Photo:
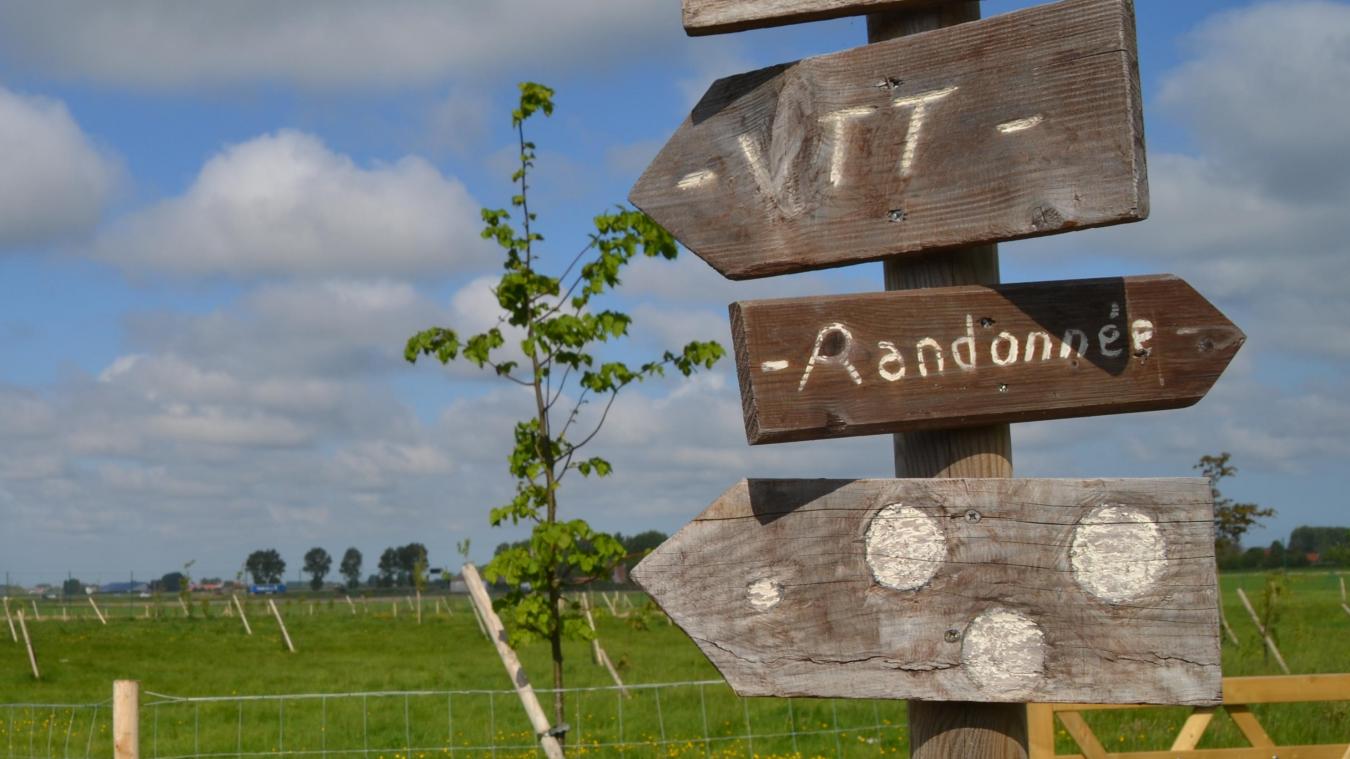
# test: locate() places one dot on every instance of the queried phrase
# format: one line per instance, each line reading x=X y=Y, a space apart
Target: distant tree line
x=1307 y=546
x=399 y=566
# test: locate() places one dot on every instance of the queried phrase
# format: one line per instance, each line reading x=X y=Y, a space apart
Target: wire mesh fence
x=691 y=719
x=55 y=731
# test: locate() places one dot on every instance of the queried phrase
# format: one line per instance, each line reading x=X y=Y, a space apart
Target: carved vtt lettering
x=920 y=105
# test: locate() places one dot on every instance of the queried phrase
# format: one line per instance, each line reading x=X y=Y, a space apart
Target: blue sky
x=219 y=223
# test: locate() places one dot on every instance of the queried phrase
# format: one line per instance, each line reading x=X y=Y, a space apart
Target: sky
x=220 y=223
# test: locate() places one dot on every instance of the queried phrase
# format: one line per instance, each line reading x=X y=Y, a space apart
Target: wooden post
x=37 y=615
x=538 y=720
x=10 y=620
x=183 y=604
x=352 y=604
x=1342 y=579
x=937 y=729
x=1257 y=621
x=126 y=719
x=419 y=607
x=97 y=611
x=599 y=652
x=1226 y=627
x=477 y=617
x=242 y=616
x=28 y=643
x=282 y=623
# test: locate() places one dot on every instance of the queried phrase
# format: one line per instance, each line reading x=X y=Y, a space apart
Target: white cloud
x=1266 y=89
x=55 y=181
x=1255 y=220
x=324 y=43
x=284 y=204
x=459 y=120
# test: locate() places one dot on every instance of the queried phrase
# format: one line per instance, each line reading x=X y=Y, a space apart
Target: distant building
x=119 y=587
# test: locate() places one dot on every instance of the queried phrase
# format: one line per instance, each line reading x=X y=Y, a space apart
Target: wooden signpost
x=719 y=16
x=1021 y=125
x=939 y=358
x=969 y=589
x=968 y=596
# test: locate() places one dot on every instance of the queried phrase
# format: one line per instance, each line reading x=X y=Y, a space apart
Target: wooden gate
x=1239 y=693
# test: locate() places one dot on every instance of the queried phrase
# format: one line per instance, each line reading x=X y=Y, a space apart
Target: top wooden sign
x=719 y=16
x=1019 y=125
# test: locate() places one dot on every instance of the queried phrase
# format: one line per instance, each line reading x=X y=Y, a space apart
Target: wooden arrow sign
x=719 y=16
x=1096 y=591
x=1020 y=125
x=938 y=358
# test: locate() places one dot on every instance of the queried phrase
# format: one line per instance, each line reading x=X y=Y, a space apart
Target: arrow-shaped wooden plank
x=939 y=358
x=956 y=590
x=1020 y=125
x=720 y=16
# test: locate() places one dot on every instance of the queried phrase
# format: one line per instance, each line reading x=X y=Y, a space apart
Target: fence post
x=126 y=719
x=538 y=720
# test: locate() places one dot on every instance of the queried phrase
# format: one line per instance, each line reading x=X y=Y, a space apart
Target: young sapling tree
x=559 y=328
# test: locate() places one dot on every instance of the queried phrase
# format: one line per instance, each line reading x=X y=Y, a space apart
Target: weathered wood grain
x=1020 y=125
x=995 y=590
x=821 y=367
x=720 y=16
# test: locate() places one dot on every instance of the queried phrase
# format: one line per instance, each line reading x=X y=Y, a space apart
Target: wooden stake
x=394 y=606
x=1226 y=628
x=10 y=620
x=1257 y=621
x=478 y=618
x=609 y=603
x=478 y=594
x=419 y=607
x=97 y=611
x=126 y=719
x=940 y=730
x=28 y=643
x=37 y=615
x=282 y=623
x=65 y=614
x=183 y=604
x=1342 y=579
x=351 y=604
x=242 y=616
x=598 y=652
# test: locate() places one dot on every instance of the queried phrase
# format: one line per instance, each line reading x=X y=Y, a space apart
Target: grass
x=338 y=652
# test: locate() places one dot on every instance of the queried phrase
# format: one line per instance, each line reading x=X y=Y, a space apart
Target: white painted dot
x=764 y=594
x=905 y=547
x=1117 y=553
x=1004 y=653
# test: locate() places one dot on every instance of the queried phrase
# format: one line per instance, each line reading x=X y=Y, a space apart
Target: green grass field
x=209 y=655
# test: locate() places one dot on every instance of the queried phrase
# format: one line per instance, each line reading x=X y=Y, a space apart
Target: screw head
x=973 y=516
x=952 y=635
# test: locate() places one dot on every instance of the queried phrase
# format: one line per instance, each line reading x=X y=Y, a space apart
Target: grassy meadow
x=443 y=658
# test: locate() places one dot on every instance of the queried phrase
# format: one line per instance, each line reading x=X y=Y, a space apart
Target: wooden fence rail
x=1239 y=693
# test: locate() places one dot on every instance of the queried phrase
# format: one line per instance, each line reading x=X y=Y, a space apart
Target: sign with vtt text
x=938 y=358
x=1024 y=124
